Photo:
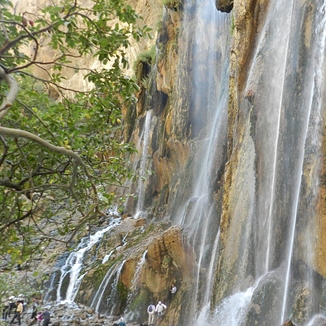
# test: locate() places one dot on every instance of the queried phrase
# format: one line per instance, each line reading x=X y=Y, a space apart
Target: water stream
x=97 y=299
x=256 y=268
x=75 y=263
x=208 y=32
x=143 y=173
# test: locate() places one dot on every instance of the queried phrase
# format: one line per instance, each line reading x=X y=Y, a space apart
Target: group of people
x=160 y=307
x=12 y=305
x=17 y=306
x=152 y=309
x=38 y=316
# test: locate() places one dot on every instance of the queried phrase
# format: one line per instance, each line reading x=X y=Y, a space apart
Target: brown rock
x=288 y=323
x=224 y=5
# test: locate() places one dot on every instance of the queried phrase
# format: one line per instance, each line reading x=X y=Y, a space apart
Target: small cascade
x=286 y=26
x=138 y=270
x=143 y=143
x=311 y=138
x=97 y=299
x=132 y=291
x=112 y=300
x=107 y=257
x=317 y=320
x=74 y=264
x=233 y=309
x=206 y=33
x=51 y=287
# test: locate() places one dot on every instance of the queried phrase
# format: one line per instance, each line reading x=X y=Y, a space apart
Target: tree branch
x=17 y=133
x=53 y=83
x=5 y=151
x=11 y=96
x=5 y=34
x=4 y=227
x=7 y=46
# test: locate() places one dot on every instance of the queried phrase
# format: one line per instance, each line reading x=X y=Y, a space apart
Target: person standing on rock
x=12 y=306
x=173 y=291
x=151 y=311
x=34 y=309
x=18 y=313
x=160 y=309
x=46 y=317
x=5 y=310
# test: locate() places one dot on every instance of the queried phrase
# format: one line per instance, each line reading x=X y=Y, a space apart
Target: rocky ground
x=64 y=314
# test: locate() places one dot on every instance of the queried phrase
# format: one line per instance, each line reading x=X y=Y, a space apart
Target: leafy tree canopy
x=60 y=146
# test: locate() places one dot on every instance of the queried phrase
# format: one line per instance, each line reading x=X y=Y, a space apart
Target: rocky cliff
x=247 y=245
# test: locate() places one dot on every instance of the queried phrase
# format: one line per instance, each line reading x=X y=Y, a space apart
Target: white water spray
x=316 y=103
x=74 y=263
x=144 y=141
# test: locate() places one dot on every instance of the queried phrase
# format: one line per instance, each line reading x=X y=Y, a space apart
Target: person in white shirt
x=160 y=308
x=151 y=310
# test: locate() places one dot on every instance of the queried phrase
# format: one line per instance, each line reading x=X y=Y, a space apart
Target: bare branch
x=11 y=96
x=6 y=148
x=4 y=227
x=17 y=133
x=4 y=29
x=52 y=83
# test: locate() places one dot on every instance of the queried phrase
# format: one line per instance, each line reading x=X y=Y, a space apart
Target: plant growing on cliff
x=59 y=140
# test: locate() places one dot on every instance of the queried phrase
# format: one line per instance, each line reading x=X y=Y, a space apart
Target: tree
x=61 y=146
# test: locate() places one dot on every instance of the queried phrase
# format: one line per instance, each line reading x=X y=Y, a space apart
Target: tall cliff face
x=267 y=188
x=229 y=121
x=149 y=10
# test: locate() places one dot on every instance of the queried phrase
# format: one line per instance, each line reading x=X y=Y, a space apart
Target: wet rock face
x=288 y=323
x=224 y=5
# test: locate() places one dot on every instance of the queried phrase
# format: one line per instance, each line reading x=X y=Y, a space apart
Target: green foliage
x=147 y=56
x=232 y=24
x=172 y=4
x=12 y=285
x=60 y=155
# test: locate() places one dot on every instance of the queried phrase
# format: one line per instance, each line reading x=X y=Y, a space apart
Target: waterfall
x=143 y=143
x=133 y=290
x=97 y=300
x=207 y=34
x=314 y=104
x=137 y=273
x=282 y=126
x=253 y=236
x=75 y=263
x=112 y=299
x=107 y=257
x=233 y=309
x=284 y=25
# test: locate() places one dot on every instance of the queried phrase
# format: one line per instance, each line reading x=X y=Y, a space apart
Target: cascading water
x=207 y=35
x=112 y=300
x=110 y=279
x=255 y=268
x=137 y=274
x=74 y=264
x=311 y=133
x=143 y=143
x=262 y=232
x=97 y=299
